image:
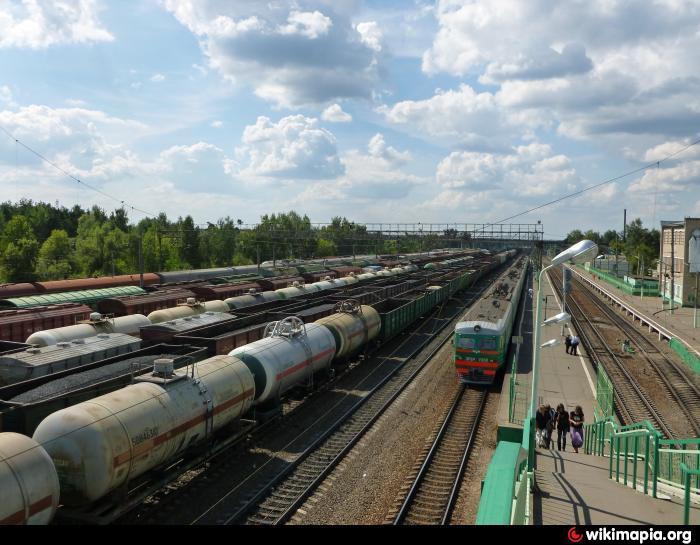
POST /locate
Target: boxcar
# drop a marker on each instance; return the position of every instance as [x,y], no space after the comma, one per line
[18,325]
[143,304]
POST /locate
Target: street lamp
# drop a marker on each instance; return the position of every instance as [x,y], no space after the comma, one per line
[578,253]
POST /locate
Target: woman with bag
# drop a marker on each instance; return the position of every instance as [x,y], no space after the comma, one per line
[577,420]
[563,426]
[541,421]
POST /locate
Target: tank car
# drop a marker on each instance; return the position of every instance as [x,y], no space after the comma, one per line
[97,323]
[250,299]
[189,307]
[99,445]
[289,353]
[352,326]
[28,481]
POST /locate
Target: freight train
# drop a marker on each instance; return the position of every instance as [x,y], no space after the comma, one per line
[94,449]
[482,336]
[8,291]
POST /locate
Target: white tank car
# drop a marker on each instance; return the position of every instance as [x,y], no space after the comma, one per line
[365,276]
[292,291]
[28,482]
[350,279]
[190,308]
[100,444]
[290,352]
[352,326]
[97,323]
[250,299]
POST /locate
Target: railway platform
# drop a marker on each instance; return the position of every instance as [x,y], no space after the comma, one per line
[653,313]
[575,488]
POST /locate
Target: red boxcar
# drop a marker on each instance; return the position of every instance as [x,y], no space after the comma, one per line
[53,286]
[17,290]
[143,304]
[17,325]
[278,282]
[224,291]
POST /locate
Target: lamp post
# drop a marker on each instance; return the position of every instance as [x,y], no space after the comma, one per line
[578,253]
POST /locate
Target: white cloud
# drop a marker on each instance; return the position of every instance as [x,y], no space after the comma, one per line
[37,24]
[371,35]
[463,115]
[531,170]
[6,97]
[157,78]
[377,147]
[310,54]
[597,69]
[217,124]
[295,147]
[308,24]
[335,114]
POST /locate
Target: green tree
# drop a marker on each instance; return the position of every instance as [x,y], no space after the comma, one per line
[19,250]
[56,256]
[325,248]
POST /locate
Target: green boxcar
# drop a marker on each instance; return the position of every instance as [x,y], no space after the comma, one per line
[87,297]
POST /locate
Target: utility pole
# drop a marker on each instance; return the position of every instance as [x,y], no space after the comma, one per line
[140,263]
[257,250]
[624,226]
[673,270]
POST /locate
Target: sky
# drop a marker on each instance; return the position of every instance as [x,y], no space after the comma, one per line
[380,111]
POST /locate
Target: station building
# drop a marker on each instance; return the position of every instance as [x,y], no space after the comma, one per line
[680,250]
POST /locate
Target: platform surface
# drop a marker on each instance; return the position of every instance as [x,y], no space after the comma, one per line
[575,489]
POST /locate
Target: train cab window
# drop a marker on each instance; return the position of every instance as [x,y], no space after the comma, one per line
[488,344]
[466,342]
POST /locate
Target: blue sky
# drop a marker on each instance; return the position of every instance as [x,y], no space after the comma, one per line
[449,111]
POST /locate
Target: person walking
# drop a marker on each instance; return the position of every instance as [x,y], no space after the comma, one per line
[541,420]
[574,345]
[563,426]
[577,419]
[549,428]
[567,342]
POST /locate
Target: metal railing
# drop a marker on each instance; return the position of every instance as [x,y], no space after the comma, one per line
[639,456]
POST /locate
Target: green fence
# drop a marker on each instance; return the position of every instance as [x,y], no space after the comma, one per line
[623,286]
[686,355]
[639,455]
[505,493]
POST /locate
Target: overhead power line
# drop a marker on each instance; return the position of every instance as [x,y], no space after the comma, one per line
[655,164]
[69,175]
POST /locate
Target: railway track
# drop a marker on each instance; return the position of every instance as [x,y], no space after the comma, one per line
[433,491]
[275,498]
[631,402]
[675,380]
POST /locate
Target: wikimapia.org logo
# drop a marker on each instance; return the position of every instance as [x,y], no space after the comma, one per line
[638,536]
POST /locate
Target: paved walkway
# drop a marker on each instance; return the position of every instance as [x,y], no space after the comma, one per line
[564,378]
[680,323]
[575,489]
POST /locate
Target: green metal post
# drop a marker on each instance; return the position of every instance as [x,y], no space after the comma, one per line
[617,469]
[612,449]
[634,469]
[646,465]
[686,502]
[655,474]
[627,438]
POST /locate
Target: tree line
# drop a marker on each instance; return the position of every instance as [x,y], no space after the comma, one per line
[640,246]
[41,241]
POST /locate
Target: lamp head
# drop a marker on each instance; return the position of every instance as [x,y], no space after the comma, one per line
[550,343]
[580,252]
[560,318]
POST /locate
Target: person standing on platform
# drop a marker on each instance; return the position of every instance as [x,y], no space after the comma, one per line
[577,421]
[551,424]
[541,421]
[562,426]
[574,345]
[567,342]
